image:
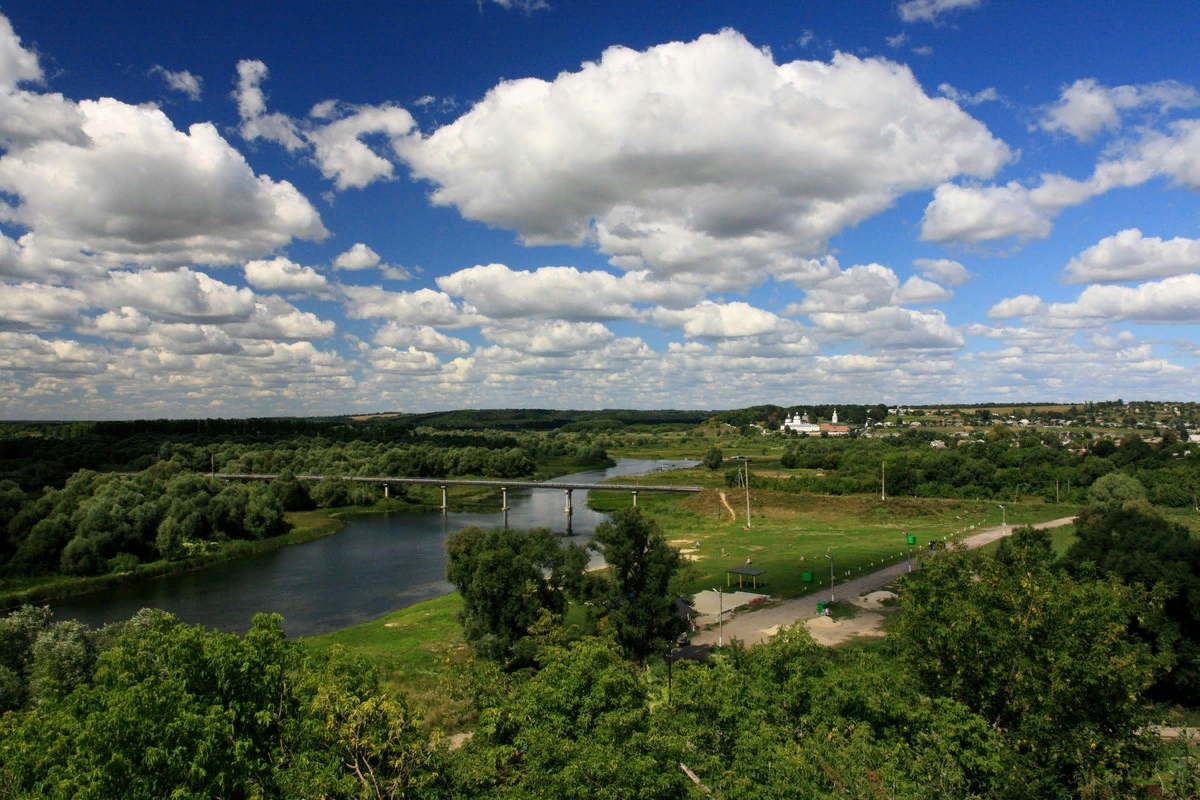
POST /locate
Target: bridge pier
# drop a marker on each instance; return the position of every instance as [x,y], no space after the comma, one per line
[385,492]
[634,493]
[567,508]
[445,507]
[504,504]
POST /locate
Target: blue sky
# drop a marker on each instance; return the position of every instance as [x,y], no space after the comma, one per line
[311,208]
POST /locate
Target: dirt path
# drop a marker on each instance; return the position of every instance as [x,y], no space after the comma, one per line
[725,502]
[759,625]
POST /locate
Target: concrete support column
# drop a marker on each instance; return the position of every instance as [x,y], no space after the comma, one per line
[504,498]
[385,491]
[445,507]
[567,507]
[635,498]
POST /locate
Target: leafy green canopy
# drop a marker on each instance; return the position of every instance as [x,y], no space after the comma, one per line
[1141,548]
[507,579]
[1045,659]
[173,710]
[640,586]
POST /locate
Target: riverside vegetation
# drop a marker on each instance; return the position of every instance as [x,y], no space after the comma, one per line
[1045,693]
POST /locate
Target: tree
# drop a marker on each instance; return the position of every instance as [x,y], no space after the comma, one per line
[18,632]
[507,579]
[1045,658]
[579,727]
[638,591]
[63,657]
[173,710]
[713,458]
[1114,490]
[1140,546]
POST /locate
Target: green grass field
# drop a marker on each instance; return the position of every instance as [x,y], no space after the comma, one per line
[417,650]
[790,534]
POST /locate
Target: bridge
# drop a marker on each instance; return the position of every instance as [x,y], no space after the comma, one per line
[503,485]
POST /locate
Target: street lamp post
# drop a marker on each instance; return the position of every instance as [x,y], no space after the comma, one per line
[830,557]
[720,617]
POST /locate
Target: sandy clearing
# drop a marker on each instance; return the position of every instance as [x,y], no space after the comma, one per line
[830,632]
[873,601]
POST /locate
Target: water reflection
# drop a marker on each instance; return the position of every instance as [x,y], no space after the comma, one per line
[378,563]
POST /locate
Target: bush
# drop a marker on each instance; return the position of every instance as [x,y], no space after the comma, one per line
[123,562]
[81,557]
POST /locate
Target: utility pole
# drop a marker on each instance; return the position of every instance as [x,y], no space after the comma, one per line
[747,493]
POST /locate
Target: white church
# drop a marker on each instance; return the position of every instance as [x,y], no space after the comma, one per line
[802,426]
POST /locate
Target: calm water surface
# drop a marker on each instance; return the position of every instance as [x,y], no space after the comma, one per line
[376,564]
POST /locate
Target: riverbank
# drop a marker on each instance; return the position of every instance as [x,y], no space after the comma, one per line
[307,526]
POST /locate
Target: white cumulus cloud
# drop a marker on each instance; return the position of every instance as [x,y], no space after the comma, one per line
[420,307]
[1130,256]
[204,204]
[280,274]
[357,257]
[35,306]
[705,161]
[182,295]
[1086,107]
[975,213]
[1020,306]
[710,320]
[549,337]
[1175,299]
[561,292]
[943,270]
[421,337]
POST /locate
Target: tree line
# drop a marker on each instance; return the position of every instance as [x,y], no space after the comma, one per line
[1005,467]
[36,458]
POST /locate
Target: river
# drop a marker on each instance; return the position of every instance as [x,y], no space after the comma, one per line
[376,564]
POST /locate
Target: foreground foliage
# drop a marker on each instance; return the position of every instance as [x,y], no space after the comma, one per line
[1044,659]
[1138,546]
[1014,681]
[172,710]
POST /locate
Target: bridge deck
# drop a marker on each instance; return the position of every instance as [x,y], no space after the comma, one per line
[499,484]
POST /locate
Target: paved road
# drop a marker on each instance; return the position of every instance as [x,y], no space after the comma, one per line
[750,626]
